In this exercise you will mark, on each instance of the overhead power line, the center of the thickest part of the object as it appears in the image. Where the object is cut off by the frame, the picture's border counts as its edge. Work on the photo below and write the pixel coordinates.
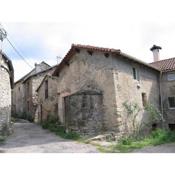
(3, 35)
(18, 52)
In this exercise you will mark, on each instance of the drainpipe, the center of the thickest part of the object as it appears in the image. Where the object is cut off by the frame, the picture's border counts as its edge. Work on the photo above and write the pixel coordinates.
(161, 96)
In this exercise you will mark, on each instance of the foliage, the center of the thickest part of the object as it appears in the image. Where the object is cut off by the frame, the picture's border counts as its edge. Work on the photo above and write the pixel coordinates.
(133, 110)
(157, 137)
(54, 126)
(153, 113)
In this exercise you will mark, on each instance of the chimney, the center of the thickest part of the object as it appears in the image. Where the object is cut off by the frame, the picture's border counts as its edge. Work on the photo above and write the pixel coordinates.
(155, 49)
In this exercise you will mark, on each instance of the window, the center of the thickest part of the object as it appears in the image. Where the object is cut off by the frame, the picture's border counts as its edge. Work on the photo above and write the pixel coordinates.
(171, 102)
(46, 89)
(135, 74)
(144, 99)
(154, 126)
(171, 126)
(171, 77)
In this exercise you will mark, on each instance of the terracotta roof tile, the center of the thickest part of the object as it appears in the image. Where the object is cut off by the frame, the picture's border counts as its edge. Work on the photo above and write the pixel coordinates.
(164, 65)
(76, 47)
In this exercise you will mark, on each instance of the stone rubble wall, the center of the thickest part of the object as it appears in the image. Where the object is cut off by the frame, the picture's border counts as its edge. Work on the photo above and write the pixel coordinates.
(5, 98)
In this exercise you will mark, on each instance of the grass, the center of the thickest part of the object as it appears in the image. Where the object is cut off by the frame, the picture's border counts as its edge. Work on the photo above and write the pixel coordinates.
(60, 130)
(157, 137)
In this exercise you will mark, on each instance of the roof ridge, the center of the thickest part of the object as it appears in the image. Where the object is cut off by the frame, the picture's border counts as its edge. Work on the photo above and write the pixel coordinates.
(162, 60)
(95, 47)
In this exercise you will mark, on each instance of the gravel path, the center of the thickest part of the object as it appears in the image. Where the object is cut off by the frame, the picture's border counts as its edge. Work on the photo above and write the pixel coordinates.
(165, 148)
(31, 138)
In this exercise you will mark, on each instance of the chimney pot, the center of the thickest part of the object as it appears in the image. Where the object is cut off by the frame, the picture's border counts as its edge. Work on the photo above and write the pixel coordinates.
(155, 49)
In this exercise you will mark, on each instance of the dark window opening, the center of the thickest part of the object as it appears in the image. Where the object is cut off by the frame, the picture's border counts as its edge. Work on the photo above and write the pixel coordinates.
(46, 89)
(135, 74)
(84, 101)
(90, 52)
(154, 126)
(171, 126)
(144, 99)
(28, 106)
(106, 55)
(171, 101)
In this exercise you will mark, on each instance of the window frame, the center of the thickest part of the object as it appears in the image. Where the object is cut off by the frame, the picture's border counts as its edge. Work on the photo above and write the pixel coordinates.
(170, 79)
(169, 107)
(144, 99)
(46, 89)
(135, 73)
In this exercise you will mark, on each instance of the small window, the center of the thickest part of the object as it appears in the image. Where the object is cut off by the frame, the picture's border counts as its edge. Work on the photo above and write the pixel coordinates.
(171, 126)
(154, 126)
(171, 102)
(171, 77)
(135, 74)
(144, 99)
(46, 89)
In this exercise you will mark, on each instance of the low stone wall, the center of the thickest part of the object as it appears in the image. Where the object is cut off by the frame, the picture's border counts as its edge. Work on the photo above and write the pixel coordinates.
(84, 112)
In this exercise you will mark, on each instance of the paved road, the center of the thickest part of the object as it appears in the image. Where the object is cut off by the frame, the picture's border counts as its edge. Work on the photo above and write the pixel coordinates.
(165, 148)
(31, 138)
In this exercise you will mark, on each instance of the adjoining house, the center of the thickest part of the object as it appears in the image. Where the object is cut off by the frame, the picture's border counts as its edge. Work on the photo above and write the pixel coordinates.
(47, 100)
(24, 92)
(93, 85)
(6, 84)
(167, 86)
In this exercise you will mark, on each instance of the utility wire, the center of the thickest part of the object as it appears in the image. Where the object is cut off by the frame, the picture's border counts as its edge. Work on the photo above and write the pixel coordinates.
(18, 53)
(12, 45)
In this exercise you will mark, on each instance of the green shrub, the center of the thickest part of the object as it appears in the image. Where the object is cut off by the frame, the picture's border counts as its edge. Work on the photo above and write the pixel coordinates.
(157, 137)
(54, 126)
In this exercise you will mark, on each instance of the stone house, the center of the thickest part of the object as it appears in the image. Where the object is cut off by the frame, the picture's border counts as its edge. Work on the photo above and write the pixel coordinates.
(24, 89)
(6, 84)
(93, 83)
(47, 99)
(167, 77)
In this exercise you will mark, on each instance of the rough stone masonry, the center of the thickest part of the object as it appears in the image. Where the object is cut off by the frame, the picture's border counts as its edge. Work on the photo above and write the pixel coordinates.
(6, 84)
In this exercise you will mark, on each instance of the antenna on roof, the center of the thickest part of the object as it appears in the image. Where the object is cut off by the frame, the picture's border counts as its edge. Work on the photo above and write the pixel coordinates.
(58, 59)
(3, 35)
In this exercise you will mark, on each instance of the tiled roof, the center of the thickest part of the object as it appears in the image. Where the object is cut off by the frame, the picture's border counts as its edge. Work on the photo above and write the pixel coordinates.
(50, 69)
(164, 65)
(32, 73)
(76, 48)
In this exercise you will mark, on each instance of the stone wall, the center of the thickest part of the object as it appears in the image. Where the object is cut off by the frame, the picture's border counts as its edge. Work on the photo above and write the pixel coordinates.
(47, 106)
(84, 112)
(31, 97)
(130, 90)
(18, 98)
(168, 90)
(23, 90)
(5, 97)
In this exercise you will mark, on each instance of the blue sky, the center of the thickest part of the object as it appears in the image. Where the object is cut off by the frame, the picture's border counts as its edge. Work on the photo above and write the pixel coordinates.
(132, 26)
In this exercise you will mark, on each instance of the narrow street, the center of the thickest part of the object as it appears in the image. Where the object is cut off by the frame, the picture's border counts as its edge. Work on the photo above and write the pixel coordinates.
(31, 138)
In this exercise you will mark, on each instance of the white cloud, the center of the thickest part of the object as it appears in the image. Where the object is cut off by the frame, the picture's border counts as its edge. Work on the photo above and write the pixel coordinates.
(132, 26)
